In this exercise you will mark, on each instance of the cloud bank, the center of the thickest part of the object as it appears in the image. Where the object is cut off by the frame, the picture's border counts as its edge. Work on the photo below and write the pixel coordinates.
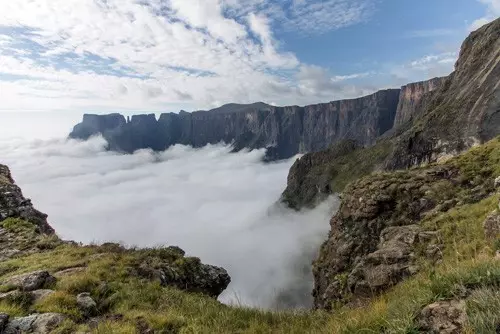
(215, 205)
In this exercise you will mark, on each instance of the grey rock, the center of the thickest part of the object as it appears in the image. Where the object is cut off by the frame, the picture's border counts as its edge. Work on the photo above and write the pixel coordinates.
(445, 317)
(285, 131)
(86, 304)
(4, 319)
(41, 294)
(491, 226)
(36, 323)
(31, 281)
(497, 182)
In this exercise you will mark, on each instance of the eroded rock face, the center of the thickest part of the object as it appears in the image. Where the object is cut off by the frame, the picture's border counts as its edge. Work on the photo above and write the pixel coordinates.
(463, 112)
(286, 131)
(14, 205)
(414, 98)
(445, 317)
(375, 234)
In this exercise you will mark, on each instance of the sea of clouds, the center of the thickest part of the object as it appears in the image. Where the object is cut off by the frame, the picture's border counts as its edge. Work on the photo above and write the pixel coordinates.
(216, 205)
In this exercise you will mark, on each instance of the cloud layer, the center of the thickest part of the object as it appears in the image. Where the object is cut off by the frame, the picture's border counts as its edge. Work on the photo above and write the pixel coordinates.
(213, 204)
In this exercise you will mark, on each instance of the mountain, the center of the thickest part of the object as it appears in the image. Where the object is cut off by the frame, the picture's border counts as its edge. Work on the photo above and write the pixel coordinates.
(285, 131)
(435, 120)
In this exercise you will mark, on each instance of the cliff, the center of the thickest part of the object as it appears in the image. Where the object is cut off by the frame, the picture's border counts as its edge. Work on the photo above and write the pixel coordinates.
(435, 120)
(286, 131)
(413, 99)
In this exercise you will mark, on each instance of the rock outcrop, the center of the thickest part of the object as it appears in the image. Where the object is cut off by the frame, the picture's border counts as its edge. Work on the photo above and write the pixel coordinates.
(464, 111)
(286, 131)
(414, 98)
(376, 236)
(14, 205)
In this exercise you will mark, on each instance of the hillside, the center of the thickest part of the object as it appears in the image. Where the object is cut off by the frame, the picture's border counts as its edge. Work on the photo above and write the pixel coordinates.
(435, 120)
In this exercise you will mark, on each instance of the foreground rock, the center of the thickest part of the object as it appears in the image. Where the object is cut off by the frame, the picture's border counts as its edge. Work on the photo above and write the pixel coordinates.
(35, 323)
(445, 317)
(31, 281)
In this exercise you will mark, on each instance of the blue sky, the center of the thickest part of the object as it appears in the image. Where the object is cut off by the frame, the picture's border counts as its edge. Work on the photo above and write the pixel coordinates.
(167, 55)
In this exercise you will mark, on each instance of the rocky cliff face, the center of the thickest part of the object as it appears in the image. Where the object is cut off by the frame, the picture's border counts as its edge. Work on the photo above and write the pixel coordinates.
(383, 233)
(285, 130)
(413, 99)
(463, 112)
(435, 119)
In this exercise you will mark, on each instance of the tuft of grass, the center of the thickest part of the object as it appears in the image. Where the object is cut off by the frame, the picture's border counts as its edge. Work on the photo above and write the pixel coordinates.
(59, 302)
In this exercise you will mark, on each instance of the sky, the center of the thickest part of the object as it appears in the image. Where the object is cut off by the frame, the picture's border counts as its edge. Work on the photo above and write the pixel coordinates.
(218, 206)
(166, 55)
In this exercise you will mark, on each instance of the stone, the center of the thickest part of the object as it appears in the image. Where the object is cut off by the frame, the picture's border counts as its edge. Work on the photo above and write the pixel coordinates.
(41, 294)
(4, 319)
(46, 322)
(491, 226)
(86, 304)
(444, 317)
(70, 271)
(35, 323)
(31, 281)
(497, 182)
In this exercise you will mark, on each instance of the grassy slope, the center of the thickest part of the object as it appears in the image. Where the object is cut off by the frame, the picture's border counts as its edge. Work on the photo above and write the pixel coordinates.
(468, 263)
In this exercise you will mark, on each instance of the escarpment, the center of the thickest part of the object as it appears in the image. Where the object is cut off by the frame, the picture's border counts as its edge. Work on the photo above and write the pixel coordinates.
(285, 131)
(435, 120)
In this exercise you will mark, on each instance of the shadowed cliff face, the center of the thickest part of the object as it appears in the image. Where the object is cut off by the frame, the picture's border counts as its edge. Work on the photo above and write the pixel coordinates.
(286, 131)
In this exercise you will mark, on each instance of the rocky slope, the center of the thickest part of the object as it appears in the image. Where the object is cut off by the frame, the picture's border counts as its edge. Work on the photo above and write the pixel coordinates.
(435, 120)
(286, 131)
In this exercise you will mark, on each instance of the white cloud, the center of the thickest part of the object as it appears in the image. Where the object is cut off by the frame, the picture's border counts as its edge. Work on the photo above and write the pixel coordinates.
(154, 54)
(492, 12)
(213, 204)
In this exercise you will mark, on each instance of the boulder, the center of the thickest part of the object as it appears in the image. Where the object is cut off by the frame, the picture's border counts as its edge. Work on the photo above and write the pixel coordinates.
(35, 323)
(445, 317)
(4, 319)
(31, 281)
(86, 304)
(41, 294)
(491, 226)
(497, 182)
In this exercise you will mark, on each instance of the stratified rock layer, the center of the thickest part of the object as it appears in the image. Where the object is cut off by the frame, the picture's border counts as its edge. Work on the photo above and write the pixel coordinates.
(286, 131)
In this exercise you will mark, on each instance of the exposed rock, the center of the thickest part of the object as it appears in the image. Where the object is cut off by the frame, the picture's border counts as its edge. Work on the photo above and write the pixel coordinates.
(86, 304)
(445, 317)
(189, 274)
(31, 281)
(4, 319)
(41, 294)
(463, 112)
(70, 271)
(14, 205)
(374, 235)
(497, 182)
(35, 323)
(286, 131)
(413, 99)
(492, 226)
